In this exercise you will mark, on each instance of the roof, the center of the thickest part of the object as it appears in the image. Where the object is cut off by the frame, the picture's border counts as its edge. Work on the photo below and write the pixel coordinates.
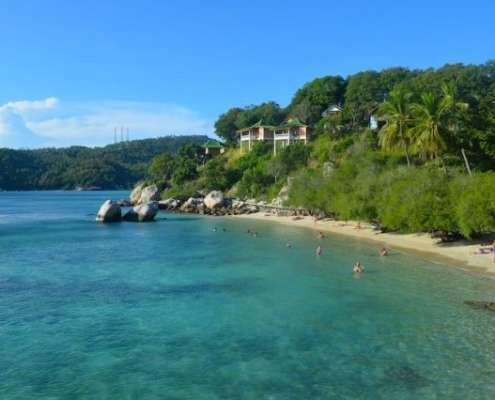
(292, 123)
(213, 144)
(258, 124)
(333, 108)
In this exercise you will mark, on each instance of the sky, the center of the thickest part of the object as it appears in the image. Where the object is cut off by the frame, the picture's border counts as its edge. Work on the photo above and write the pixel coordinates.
(73, 71)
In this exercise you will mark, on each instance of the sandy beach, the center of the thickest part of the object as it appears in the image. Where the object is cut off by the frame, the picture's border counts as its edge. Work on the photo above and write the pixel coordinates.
(459, 253)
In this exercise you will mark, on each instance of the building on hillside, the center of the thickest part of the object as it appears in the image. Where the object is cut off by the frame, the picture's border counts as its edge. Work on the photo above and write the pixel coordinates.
(333, 109)
(289, 132)
(278, 136)
(258, 132)
(213, 148)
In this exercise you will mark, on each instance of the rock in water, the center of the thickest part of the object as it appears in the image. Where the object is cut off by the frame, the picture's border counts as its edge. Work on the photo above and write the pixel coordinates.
(148, 194)
(136, 194)
(142, 213)
(481, 305)
(109, 212)
(214, 199)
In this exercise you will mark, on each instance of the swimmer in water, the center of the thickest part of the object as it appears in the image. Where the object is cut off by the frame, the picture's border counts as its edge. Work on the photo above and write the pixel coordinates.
(319, 251)
(383, 252)
(357, 269)
(321, 235)
(288, 245)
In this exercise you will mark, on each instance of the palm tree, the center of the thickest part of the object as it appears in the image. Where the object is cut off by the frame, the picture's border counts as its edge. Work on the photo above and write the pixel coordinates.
(395, 135)
(429, 125)
(455, 110)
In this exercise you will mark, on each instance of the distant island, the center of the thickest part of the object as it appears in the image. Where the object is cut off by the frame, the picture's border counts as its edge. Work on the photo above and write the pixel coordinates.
(116, 166)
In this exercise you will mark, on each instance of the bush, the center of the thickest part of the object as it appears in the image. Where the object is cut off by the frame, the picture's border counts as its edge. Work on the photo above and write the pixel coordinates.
(416, 200)
(474, 199)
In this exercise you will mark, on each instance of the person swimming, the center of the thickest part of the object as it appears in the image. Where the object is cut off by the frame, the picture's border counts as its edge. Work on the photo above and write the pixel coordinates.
(288, 245)
(321, 235)
(383, 252)
(319, 251)
(357, 269)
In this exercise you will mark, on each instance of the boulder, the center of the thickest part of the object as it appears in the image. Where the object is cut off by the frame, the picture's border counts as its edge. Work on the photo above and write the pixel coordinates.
(148, 194)
(168, 204)
(136, 194)
(142, 213)
(109, 212)
(123, 202)
(192, 204)
(214, 199)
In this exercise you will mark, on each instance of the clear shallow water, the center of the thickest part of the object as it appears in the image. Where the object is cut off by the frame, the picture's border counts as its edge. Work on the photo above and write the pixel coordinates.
(173, 310)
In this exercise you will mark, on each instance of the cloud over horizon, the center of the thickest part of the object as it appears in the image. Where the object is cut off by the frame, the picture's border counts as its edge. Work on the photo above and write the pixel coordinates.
(51, 122)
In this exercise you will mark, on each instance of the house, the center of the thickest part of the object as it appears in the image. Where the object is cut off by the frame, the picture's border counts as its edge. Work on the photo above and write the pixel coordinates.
(258, 132)
(213, 148)
(333, 109)
(278, 136)
(291, 131)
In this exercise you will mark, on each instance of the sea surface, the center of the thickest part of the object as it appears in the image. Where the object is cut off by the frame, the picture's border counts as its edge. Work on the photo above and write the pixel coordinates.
(176, 310)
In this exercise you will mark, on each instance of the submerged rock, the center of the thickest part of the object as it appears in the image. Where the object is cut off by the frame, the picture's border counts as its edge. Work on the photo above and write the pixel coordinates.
(142, 213)
(481, 305)
(109, 212)
(214, 199)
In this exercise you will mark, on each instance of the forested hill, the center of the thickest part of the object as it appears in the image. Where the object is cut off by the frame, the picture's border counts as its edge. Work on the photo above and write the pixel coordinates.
(116, 166)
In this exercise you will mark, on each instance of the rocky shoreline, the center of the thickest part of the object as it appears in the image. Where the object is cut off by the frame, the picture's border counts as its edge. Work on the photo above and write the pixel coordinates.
(145, 202)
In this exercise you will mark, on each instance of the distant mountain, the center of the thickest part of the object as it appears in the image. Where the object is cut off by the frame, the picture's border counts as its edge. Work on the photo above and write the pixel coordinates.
(116, 166)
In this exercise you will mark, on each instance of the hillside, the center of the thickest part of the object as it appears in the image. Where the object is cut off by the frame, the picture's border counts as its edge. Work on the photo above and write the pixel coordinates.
(116, 166)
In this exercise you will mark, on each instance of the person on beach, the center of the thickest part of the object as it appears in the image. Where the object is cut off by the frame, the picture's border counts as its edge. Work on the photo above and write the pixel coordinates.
(358, 226)
(383, 252)
(357, 269)
(319, 251)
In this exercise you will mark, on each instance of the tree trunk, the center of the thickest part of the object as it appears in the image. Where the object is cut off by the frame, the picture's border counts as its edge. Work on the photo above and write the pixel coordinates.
(466, 161)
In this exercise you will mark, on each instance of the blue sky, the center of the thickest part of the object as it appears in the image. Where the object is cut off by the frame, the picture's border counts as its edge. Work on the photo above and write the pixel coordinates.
(70, 71)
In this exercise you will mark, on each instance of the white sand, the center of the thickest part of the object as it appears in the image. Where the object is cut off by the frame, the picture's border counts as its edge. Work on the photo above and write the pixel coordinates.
(459, 253)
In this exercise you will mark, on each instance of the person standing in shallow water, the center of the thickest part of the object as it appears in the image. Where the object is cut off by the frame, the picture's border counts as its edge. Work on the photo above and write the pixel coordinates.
(319, 251)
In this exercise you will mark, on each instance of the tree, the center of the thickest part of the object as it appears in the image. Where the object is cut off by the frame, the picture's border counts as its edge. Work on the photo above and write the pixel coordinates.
(363, 94)
(429, 129)
(270, 113)
(161, 168)
(395, 135)
(226, 127)
(314, 97)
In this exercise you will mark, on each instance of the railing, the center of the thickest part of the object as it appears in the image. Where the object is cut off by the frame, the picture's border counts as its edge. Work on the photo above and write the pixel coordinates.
(248, 136)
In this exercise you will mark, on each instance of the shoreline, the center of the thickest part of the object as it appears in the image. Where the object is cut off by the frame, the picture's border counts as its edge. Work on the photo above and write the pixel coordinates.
(459, 253)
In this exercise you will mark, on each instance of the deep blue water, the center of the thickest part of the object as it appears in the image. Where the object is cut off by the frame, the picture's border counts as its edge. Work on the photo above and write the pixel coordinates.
(174, 310)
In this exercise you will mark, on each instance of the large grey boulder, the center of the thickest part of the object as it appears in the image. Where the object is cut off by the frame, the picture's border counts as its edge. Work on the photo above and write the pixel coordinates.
(214, 199)
(142, 213)
(136, 194)
(148, 194)
(109, 212)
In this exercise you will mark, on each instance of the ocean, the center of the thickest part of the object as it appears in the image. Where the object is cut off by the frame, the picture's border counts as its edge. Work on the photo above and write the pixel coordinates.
(192, 307)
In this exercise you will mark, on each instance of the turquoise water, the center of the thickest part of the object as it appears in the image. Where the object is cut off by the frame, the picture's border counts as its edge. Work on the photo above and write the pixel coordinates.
(174, 310)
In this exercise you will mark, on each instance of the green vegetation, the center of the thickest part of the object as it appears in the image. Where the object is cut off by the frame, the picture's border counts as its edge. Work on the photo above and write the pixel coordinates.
(117, 166)
(427, 167)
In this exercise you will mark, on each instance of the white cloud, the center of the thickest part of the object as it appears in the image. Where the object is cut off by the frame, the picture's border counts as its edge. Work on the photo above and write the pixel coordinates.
(27, 105)
(51, 122)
